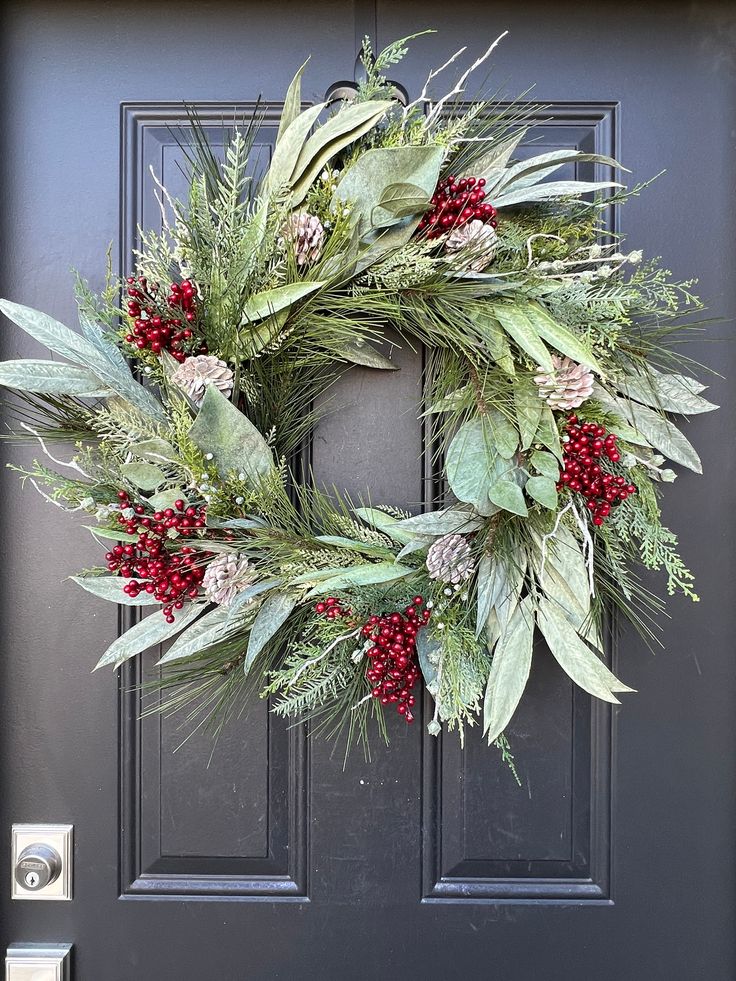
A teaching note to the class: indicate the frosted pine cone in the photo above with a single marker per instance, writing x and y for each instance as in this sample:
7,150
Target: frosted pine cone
196,373
225,577
478,238
568,386
307,234
449,559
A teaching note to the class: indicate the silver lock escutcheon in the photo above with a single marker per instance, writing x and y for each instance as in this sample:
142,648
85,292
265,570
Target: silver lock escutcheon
42,859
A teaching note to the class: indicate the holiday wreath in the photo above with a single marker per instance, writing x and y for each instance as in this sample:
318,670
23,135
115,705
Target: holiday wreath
547,386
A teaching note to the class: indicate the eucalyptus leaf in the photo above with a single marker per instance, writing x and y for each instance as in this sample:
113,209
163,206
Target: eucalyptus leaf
472,465
212,628
150,632
559,337
232,439
528,407
671,393
144,476
543,490
363,575
448,521
167,498
507,494
111,588
550,191
429,651
51,377
360,352
155,449
386,523
273,613
548,434
292,102
269,302
546,464
514,320
510,667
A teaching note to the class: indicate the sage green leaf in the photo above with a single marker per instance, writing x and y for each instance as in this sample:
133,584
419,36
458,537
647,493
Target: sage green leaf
514,320
155,449
281,171
144,476
151,632
492,164
360,352
494,339
658,431
112,536
256,336
548,434
273,614
528,407
510,667
534,169
207,631
549,191
246,596
111,588
559,337
429,652
671,393
545,464
448,521
353,545
509,592
449,402
339,132
167,498
485,590
231,438
363,575
292,102
265,304
386,523
507,494
578,661
543,490
472,465
415,545
504,436
30,375
400,200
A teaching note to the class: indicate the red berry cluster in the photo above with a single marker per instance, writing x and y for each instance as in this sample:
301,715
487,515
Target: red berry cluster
583,446
393,670
332,608
455,202
171,576
161,328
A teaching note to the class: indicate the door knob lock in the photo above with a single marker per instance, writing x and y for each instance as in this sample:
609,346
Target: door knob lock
42,860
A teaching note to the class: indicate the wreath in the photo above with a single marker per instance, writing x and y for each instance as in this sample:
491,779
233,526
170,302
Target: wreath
549,379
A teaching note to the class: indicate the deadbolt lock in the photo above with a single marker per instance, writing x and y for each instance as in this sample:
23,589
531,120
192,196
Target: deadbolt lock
38,866
42,857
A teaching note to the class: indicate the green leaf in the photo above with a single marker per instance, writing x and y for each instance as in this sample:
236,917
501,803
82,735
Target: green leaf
246,596
504,436
528,407
111,587
112,536
344,128
288,148
517,325
671,393
207,631
274,612
265,304
231,438
658,431
549,191
359,352
150,632
402,200
292,102
30,375
167,498
507,494
494,339
510,667
560,337
578,661
548,434
486,579
363,575
472,465
492,164
543,490
446,522
155,449
429,651
545,464
144,476
353,545
534,169
386,523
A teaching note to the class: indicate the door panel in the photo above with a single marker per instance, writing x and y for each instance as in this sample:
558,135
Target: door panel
278,858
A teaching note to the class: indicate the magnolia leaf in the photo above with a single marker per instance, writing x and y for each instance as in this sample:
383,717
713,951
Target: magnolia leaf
472,465
155,449
288,148
231,438
111,587
265,304
670,393
30,375
144,476
528,407
401,200
146,634
386,523
510,667
576,659
363,575
292,102
274,612
429,651
344,128
549,191
359,352
559,337
210,629
507,494
543,490
514,320
446,522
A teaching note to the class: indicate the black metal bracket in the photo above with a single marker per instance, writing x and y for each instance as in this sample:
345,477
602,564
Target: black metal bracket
346,91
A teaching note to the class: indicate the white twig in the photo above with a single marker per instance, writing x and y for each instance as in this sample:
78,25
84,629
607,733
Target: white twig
424,94
52,501
458,88
529,245
325,652
551,534
160,200
587,548
364,699
72,464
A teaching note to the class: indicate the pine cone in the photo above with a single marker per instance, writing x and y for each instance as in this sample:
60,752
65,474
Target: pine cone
449,559
225,577
196,373
568,386
478,238
306,234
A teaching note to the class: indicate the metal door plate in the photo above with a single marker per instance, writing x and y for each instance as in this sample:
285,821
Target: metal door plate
59,836
38,962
